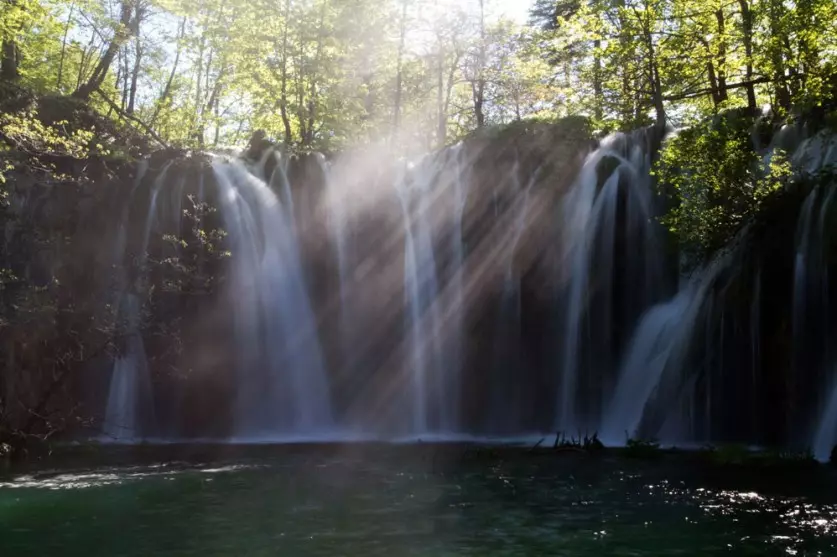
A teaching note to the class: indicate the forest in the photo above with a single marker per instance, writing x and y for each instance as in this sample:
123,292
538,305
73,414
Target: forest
327,74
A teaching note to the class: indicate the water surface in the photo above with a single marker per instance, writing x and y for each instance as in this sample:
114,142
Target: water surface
410,500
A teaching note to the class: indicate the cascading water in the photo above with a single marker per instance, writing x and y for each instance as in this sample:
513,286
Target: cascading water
130,387
660,345
805,259
130,391
506,398
597,212
282,386
443,281
430,413
339,236
812,330
825,436
665,335
454,357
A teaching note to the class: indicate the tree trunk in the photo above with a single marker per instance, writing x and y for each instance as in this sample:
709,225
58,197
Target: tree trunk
710,72
449,90
132,96
478,88
123,74
86,54
654,75
795,79
9,51
629,109
195,133
722,55
315,74
809,43
441,117
747,31
123,31
217,136
10,61
396,115
167,89
713,84
640,102
283,100
598,94
212,104
775,52
299,86
118,81
64,48
659,107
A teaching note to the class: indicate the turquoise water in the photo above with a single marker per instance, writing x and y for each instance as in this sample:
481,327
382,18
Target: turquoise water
394,501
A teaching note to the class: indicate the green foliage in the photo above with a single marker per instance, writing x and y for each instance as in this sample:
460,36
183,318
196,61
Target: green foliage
32,26
191,268
5,166
324,74
715,181
614,61
30,135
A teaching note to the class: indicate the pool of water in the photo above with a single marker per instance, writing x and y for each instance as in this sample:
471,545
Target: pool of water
397,500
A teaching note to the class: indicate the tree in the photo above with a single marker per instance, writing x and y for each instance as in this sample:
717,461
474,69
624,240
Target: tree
121,33
477,79
322,74
399,76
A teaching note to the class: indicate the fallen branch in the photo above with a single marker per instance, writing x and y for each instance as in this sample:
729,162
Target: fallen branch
133,119
708,91
538,444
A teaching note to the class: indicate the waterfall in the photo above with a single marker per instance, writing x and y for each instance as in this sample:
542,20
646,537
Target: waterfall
506,389
811,314
339,236
431,412
592,227
825,436
452,298
130,387
600,212
129,394
455,356
282,386
660,345
654,345
808,313
755,346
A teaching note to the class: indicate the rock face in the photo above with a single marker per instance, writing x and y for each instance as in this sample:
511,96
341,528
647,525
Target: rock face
514,283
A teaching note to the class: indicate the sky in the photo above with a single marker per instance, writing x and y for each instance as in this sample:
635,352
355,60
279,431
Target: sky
518,10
